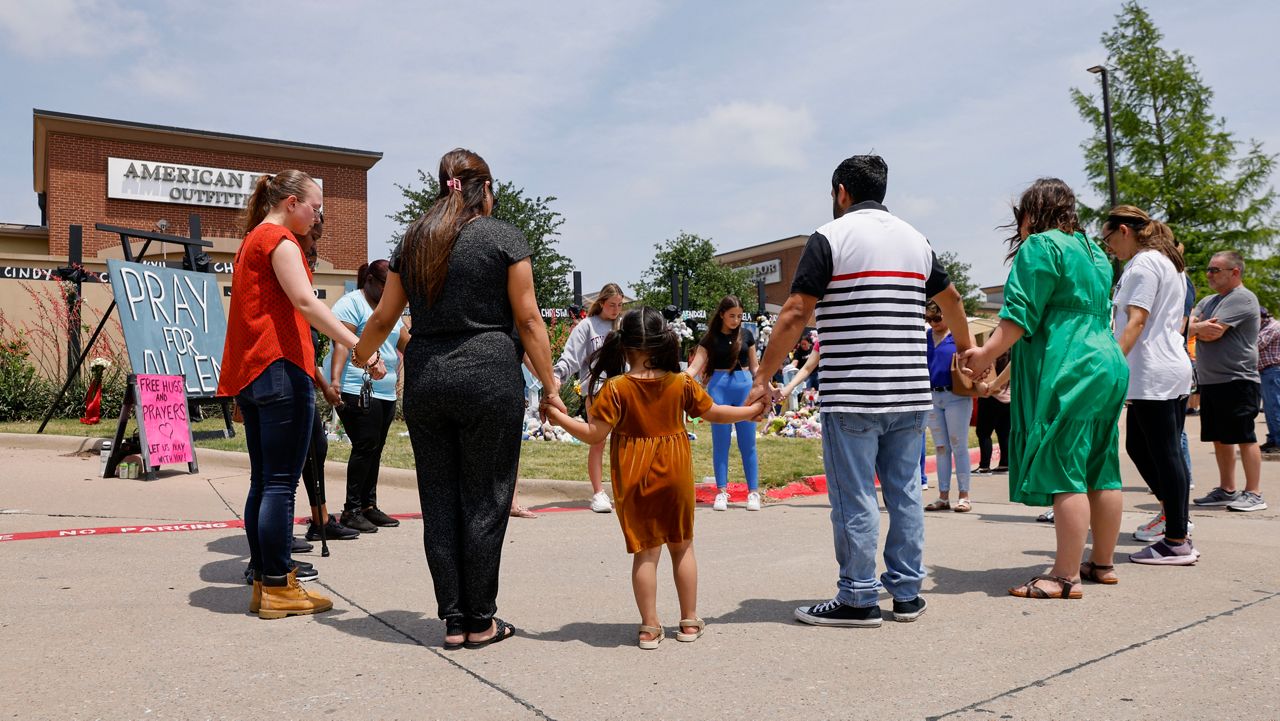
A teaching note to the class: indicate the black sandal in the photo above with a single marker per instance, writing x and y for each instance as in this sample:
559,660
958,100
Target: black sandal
1090,571
1031,590
501,631
454,626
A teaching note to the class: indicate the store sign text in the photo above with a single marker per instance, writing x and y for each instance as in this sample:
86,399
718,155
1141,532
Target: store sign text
131,179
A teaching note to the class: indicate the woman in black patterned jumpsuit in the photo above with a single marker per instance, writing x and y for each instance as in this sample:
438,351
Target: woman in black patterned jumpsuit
468,282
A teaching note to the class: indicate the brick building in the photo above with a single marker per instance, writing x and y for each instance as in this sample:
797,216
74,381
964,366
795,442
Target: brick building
89,170
773,262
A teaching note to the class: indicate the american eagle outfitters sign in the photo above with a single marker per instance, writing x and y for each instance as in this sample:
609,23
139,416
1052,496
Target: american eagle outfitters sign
159,182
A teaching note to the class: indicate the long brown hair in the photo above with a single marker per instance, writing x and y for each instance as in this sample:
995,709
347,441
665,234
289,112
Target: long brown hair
716,327
1048,204
1147,231
270,190
429,240
608,291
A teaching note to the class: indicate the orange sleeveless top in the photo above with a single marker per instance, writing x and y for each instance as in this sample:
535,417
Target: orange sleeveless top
262,324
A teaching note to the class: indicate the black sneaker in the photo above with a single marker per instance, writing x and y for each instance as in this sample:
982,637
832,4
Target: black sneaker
834,613
301,546
1269,448
1000,469
248,575
908,611
983,471
333,531
306,571
378,518
356,520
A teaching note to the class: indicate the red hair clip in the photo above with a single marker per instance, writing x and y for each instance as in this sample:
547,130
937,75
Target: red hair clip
455,184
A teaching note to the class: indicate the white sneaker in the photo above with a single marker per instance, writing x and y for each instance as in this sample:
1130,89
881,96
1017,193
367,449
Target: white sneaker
600,503
722,502
1151,531
753,501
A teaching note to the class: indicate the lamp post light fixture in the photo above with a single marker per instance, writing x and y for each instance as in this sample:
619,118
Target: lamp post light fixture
1111,147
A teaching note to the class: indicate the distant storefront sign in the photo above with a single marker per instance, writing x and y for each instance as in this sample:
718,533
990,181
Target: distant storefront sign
158,182
770,271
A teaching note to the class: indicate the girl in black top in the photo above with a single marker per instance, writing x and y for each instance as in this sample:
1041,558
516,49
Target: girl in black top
726,360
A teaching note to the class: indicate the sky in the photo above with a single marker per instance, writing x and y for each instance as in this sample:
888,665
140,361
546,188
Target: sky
643,119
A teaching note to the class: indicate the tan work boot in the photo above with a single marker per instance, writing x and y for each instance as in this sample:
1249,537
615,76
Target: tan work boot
284,596
255,601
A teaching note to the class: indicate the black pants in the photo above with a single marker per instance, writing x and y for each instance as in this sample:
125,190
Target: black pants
313,469
992,416
368,434
464,405
1154,443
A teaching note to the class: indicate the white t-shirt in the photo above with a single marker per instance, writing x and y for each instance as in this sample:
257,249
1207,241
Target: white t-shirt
1159,369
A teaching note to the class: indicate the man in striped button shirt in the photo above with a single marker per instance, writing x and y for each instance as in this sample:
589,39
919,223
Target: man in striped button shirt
868,274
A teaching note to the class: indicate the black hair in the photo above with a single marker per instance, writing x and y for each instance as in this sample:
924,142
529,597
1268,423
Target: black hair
864,177
642,329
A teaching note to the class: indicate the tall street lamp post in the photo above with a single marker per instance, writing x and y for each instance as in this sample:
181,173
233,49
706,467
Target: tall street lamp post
1111,147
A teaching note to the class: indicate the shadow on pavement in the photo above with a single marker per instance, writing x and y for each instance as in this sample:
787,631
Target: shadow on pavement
222,599
410,627
615,635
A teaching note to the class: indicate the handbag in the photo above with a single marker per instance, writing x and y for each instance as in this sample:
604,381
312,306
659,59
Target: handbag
962,384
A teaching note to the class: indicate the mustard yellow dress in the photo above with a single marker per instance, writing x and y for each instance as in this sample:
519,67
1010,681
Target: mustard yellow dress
650,461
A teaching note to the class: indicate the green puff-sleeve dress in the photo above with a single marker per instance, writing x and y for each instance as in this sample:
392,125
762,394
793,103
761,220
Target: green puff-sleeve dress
1069,376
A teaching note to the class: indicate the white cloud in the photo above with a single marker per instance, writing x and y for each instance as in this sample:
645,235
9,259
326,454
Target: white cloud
57,28
741,134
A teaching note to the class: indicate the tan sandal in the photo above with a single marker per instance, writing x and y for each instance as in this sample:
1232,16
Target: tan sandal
939,505
655,631
962,506
1090,571
691,623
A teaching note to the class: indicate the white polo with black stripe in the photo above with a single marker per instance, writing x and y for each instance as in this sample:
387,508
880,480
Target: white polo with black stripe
871,273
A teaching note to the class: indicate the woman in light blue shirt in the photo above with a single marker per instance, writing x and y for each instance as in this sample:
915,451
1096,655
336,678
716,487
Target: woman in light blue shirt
366,422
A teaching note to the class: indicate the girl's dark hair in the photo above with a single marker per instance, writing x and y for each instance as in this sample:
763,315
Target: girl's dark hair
428,241
377,271
642,329
269,190
1147,231
716,327
1048,204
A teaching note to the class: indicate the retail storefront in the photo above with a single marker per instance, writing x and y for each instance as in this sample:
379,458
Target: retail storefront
774,263
89,170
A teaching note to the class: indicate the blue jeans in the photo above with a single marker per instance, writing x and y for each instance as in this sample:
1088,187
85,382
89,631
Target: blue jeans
949,424
924,477
1271,402
856,448
731,389
278,408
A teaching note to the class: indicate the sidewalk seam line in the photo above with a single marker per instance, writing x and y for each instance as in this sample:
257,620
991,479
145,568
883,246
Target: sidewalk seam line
223,499
976,706
496,687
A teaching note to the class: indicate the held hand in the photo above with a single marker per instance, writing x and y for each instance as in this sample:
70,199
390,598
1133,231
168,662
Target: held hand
760,393
378,370
551,403
974,362
333,395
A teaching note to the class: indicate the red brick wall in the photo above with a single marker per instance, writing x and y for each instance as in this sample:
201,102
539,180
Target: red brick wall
77,193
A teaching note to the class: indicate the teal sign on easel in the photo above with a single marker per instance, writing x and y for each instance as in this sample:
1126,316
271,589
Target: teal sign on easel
173,323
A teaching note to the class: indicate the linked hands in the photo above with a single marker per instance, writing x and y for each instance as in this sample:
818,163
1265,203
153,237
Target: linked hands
764,394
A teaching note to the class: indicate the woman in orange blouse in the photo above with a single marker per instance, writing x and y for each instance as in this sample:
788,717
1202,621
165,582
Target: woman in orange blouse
268,362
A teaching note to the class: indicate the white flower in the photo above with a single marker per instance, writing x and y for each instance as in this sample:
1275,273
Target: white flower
99,363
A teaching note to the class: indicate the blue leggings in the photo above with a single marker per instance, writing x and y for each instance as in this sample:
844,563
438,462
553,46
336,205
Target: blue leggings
730,389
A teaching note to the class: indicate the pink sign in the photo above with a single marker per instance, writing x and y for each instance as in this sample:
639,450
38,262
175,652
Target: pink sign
162,411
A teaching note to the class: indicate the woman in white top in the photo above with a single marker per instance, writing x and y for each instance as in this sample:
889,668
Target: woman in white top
584,340
1148,308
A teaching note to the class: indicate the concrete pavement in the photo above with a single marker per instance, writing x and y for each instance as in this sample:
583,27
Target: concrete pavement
155,625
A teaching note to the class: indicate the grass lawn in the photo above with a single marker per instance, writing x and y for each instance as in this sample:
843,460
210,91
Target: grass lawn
782,460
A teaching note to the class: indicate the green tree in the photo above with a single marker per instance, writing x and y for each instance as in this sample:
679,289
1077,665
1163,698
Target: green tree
692,256
959,272
1175,158
532,215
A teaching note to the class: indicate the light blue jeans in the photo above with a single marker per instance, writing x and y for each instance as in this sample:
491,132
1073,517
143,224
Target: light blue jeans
730,389
856,448
949,425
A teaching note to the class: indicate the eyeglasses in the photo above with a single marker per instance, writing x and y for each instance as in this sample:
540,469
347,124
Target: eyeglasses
932,320
1213,271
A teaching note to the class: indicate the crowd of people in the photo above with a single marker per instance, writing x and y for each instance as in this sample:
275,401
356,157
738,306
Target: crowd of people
894,356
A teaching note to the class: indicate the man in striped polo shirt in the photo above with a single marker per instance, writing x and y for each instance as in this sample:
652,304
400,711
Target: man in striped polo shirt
869,274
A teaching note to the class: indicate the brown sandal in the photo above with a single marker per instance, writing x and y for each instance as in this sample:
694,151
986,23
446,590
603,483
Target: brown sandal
1031,590
939,505
1090,571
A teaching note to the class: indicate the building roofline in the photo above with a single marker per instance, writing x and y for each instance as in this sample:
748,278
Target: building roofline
46,121
733,256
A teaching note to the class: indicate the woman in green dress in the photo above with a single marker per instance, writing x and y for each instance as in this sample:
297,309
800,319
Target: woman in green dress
1069,382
